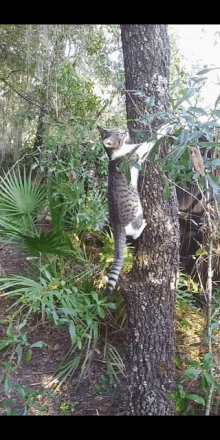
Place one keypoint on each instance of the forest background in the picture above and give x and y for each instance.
(57, 82)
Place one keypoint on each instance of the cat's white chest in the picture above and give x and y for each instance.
(134, 177)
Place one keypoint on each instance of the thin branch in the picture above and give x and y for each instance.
(20, 94)
(209, 317)
(209, 289)
(19, 160)
(185, 190)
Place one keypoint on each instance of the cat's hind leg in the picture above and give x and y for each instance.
(135, 228)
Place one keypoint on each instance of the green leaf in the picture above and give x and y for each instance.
(179, 405)
(20, 200)
(150, 101)
(72, 330)
(193, 364)
(174, 155)
(209, 163)
(137, 92)
(199, 110)
(21, 390)
(19, 351)
(112, 305)
(201, 72)
(39, 344)
(53, 242)
(152, 154)
(39, 408)
(8, 402)
(28, 356)
(122, 165)
(79, 344)
(25, 413)
(183, 137)
(196, 135)
(196, 398)
(204, 383)
(206, 361)
(214, 182)
(190, 92)
(191, 372)
(210, 380)
(128, 173)
(95, 297)
(206, 144)
(217, 113)
(55, 317)
(10, 330)
(101, 312)
(7, 383)
(166, 192)
(215, 325)
(136, 165)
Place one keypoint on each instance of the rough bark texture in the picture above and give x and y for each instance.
(151, 286)
(146, 53)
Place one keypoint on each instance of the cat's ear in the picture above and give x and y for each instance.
(102, 131)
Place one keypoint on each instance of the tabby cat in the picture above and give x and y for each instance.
(125, 210)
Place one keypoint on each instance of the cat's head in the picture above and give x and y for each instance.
(113, 139)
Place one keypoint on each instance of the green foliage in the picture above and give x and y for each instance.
(71, 206)
(68, 408)
(20, 202)
(64, 305)
(107, 254)
(76, 94)
(205, 378)
(15, 341)
(181, 396)
(29, 397)
(183, 294)
(126, 163)
(114, 363)
(188, 125)
(106, 384)
(52, 243)
(47, 92)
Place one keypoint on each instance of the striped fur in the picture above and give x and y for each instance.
(120, 242)
(125, 210)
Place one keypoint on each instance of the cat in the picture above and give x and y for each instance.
(125, 209)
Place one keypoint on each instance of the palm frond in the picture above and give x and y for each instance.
(20, 201)
(19, 285)
(51, 243)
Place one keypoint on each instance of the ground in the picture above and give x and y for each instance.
(92, 397)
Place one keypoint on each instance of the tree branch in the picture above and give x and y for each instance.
(22, 96)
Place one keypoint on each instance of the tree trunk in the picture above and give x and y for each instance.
(151, 286)
(41, 126)
(146, 60)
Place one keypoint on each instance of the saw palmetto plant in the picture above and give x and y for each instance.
(20, 200)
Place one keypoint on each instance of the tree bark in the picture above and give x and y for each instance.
(146, 54)
(151, 285)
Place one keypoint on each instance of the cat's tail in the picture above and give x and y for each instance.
(120, 242)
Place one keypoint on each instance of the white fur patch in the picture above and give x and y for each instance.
(134, 233)
(139, 210)
(123, 150)
(134, 177)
